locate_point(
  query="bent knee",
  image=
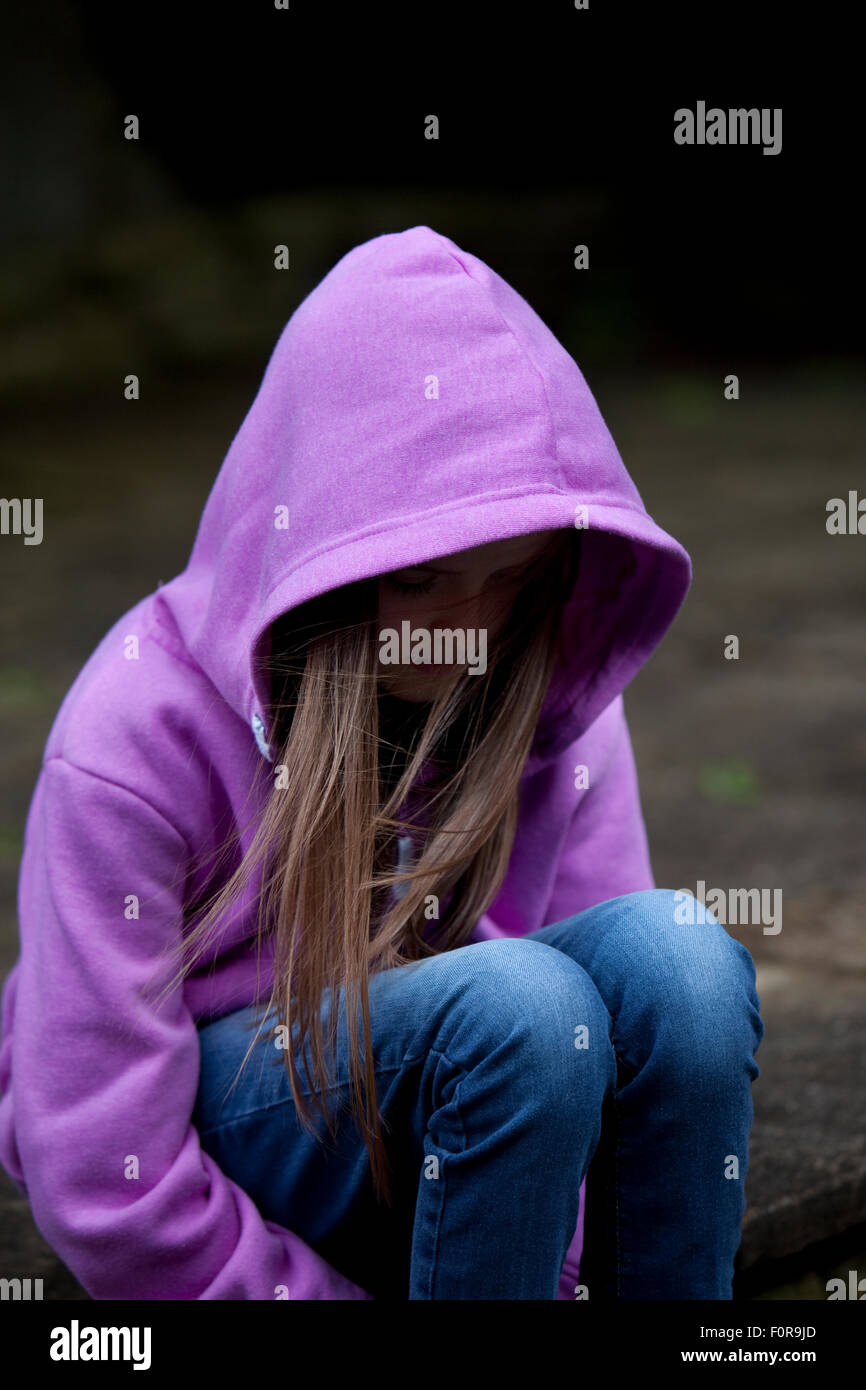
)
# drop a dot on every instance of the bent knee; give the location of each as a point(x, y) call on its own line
point(539, 999)
point(698, 978)
point(679, 940)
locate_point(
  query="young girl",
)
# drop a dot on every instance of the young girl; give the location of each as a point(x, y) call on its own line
point(342, 973)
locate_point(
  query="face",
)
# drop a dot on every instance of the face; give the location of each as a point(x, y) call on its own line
point(471, 589)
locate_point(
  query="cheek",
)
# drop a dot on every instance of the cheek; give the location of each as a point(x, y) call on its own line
point(497, 608)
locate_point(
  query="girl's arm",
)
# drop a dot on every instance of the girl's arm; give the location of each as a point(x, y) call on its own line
point(103, 1085)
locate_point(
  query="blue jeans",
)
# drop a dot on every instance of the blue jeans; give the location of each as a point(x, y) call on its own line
point(617, 1044)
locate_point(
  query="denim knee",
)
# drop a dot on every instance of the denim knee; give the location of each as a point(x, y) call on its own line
point(535, 1003)
point(697, 978)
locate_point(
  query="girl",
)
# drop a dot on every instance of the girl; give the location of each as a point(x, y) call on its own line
point(342, 971)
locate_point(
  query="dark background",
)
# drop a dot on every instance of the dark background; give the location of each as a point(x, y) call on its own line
point(698, 254)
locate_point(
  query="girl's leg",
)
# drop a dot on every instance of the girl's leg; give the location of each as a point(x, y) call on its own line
point(492, 1116)
point(665, 1190)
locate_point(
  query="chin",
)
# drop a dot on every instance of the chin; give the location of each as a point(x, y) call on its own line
point(413, 692)
point(412, 697)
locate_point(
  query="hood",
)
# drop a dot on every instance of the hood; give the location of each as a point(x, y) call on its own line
point(416, 405)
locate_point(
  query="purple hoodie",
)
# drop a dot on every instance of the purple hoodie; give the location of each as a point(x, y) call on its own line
point(414, 405)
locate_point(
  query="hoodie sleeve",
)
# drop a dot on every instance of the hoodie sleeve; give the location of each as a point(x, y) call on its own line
point(605, 853)
point(105, 1084)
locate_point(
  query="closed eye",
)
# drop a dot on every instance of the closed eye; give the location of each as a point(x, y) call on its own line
point(424, 586)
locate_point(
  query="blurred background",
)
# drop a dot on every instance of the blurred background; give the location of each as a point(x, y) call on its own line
point(155, 256)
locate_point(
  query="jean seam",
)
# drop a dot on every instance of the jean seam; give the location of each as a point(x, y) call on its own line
point(308, 1095)
point(277, 1104)
point(615, 1160)
point(458, 1066)
point(616, 1201)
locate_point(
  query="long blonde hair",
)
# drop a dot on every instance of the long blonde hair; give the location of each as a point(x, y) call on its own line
point(326, 839)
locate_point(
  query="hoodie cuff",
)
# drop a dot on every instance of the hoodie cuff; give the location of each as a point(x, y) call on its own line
point(568, 1280)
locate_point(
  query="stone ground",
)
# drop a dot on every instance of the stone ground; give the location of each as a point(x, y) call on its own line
point(752, 771)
